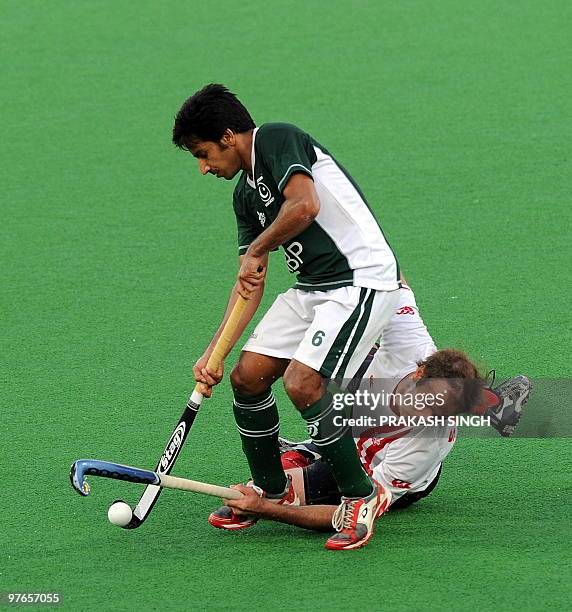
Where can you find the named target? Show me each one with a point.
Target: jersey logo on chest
(263, 191)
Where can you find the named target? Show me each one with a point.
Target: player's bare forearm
(300, 208)
(293, 218)
(318, 518)
(309, 517)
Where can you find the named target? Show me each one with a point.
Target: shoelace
(343, 516)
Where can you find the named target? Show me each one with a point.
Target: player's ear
(419, 373)
(228, 138)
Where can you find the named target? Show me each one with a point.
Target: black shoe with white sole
(513, 395)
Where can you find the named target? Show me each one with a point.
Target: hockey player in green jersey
(292, 193)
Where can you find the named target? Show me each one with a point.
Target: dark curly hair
(207, 114)
(461, 374)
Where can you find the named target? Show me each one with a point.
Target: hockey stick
(106, 469)
(173, 447)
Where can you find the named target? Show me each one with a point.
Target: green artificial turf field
(117, 257)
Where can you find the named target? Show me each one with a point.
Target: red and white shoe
(354, 519)
(226, 518)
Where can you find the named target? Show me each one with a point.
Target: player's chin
(230, 175)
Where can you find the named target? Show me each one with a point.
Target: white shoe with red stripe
(354, 519)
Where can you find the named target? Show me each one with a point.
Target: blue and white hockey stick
(177, 439)
(94, 467)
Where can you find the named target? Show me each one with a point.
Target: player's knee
(245, 381)
(303, 386)
(241, 381)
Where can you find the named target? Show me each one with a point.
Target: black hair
(207, 114)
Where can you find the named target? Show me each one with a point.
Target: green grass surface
(117, 257)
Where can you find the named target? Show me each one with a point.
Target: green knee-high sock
(337, 447)
(258, 423)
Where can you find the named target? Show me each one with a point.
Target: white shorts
(403, 460)
(404, 340)
(329, 331)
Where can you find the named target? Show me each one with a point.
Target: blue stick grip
(94, 467)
